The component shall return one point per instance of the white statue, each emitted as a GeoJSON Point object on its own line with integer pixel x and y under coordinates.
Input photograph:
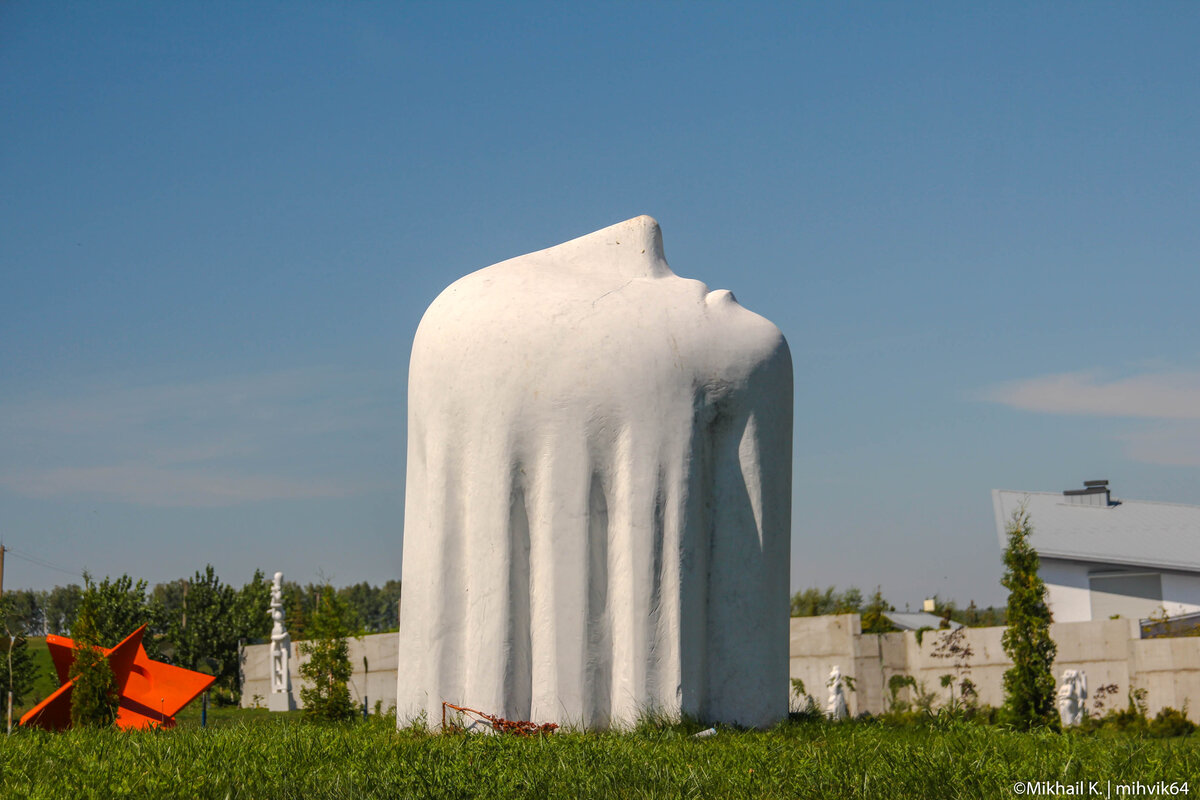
{"type": "Point", "coordinates": [835, 706]}
{"type": "Point", "coordinates": [597, 512]}
{"type": "Point", "coordinates": [1072, 695]}
{"type": "Point", "coordinates": [280, 698]}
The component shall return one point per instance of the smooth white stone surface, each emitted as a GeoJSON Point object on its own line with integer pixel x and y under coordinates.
{"type": "Point", "coordinates": [1072, 697]}
{"type": "Point", "coordinates": [835, 705]}
{"type": "Point", "coordinates": [281, 698]}
{"type": "Point", "coordinates": [597, 513]}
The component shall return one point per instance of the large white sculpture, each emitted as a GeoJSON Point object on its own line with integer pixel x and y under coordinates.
{"type": "Point", "coordinates": [281, 698]}
{"type": "Point", "coordinates": [1072, 695]}
{"type": "Point", "coordinates": [597, 514]}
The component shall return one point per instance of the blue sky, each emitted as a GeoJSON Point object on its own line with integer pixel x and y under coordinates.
{"type": "Point", "coordinates": [220, 224]}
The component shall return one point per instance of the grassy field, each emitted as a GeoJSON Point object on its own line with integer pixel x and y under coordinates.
{"type": "Point", "coordinates": [258, 755]}
{"type": "Point", "coordinates": [45, 680]}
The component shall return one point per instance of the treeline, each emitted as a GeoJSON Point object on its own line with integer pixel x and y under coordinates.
{"type": "Point", "coordinates": [814, 602]}
{"type": "Point", "coordinates": [372, 609]}
{"type": "Point", "coordinates": [198, 622]}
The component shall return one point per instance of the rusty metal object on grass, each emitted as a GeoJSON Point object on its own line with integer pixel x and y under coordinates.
{"type": "Point", "coordinates": [499, 724]}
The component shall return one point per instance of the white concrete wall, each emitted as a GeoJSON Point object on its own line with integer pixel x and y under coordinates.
{"type": "Point", "coordinates": [1181, 592]}
{"type": "Point", "coordinates": [833, 642]}
{"type": "Point", "coordinates": [1068, 589]}
{"type": "Point", "coordinates": [378, 682]}
{"type": "Point", "coordinates": [1109, 651]}
{"type": "Point", "coordinates": [1070, 599]}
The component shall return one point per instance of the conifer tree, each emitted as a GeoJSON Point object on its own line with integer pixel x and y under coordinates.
{"type": "Point", "coordinates": [94, 697]}
{"type": "Point", "coordinates": [328, 669]}
{"type": "Point", "coordinates": [1029, 684]}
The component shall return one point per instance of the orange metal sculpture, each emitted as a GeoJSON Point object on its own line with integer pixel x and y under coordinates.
{"type": "Point", "coordinates": [151, 692]}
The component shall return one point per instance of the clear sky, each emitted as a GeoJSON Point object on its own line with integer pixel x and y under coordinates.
{"type": "Point", "coordinates": [975, 223]}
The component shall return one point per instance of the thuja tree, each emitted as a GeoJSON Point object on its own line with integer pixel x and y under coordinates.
{"type": "Point", "coordinates": [327, 670]}
{"type": "Point", "coordinates": [1029, 684]}
{"type": "Point", "coordinates": [94, 694]}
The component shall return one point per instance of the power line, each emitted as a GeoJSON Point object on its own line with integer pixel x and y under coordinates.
{"type": "Point", "coordinates": [41, 562]}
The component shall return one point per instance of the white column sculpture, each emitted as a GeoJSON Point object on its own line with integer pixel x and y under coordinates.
{"type": "Point", "coordinates": [835, 706]}
{"type": "Point", "coordinates": [597, 512]}
{"type": "Point", "coordinates": [1072, 695]}
{"type": "Point", "coordinates": [280, 698]}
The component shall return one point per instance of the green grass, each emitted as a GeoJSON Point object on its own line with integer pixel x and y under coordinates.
{"type": "Point", "coordinates": [189, 718]}
{"type": "Point", "coordinates": [45, 679]}
{"type": "Point", "coordinates": [248, 756]}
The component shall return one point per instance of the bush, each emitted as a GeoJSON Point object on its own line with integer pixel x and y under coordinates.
{"type": "Point", "coordinates": [224, 697]}
{"type": "Point", "coordinates": [1171, 722]}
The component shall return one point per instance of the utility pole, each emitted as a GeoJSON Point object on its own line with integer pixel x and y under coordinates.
{"type": "Point", "coordinates": [10, 641]}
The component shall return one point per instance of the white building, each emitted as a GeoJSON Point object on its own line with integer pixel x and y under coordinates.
{"type": "Point", "coordinates": [1102, 557]}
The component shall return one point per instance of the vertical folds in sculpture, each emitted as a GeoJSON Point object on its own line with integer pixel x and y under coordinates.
{"type": "Point", "coordinates": [1072, 697]}
{"type": "Point", "coordinates": [598, 493]}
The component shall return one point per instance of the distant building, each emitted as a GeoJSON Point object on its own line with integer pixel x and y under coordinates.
{"type": "Point", "coordinates": [1102, 557]}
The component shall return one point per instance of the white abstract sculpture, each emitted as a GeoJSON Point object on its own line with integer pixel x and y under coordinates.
{"type": "Point", "coordinates": [1071, 697]}
{"type": "Point", "coordinates": [280, 698]}
{"type": "Point", "coordinates": [835, 706]}
{"type": "Point", "coordinates": [597, 514]}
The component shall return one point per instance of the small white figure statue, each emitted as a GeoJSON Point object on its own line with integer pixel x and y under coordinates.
{"type": "Point", "coordinates": [1071, 696]}
{"type": "Point", "coordinates": [835, 707]}
{"type": "Point", "coordinates": [280, 698]}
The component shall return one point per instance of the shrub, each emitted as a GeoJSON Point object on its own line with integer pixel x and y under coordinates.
{"type": "Point", "coordinates": [1171, 722]}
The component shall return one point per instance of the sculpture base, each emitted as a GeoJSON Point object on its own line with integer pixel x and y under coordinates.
{"type": "Point", "coordinates": [281, 701]}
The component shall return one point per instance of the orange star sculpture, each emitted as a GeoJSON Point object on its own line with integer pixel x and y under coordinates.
{"type": "Point", "coordinates": [152, 692]}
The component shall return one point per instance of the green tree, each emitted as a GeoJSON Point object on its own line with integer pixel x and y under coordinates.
{"type": "Point", "coordinates": [17, 669]}
{"type": "Point", "coordinates": [94, 696]}
{"type": "Point", "coordinates": [60, 608]}
{"type": "Point", "coordinates": [1029, 685]}
{"type": "Point", "coordinates": [24, 613]}
{"type": "Point", "coordinates": [328, 669]}
{"type": "Point", "coordinates": [815, 603]}
{"type": "Point", "coordinates": [298, 605]}
{"type": "Point", "coordinates": [972, 616]}
{"type": "Point", "coordinates": [369, 605]}
{"type": "Point", "coordinates": [391, 606]}
{"type": "Point", "coordinates": [250, 617]}
{"type": "Point", "coordinates": [120, 609]}
{"type": "Point", "coordinates": [203, 634]}
{"type": "Point", "coordinates": [873, 614]}
{"type": "Point", "coordinates": [206, 620]}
